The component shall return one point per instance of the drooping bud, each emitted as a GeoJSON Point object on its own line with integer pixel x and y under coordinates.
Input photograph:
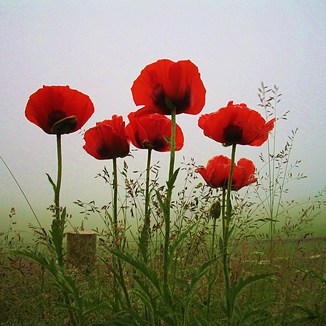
{"type": "Point", "coordinates": [215, 210]}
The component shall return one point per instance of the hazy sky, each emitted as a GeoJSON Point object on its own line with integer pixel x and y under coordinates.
{"type": "Point", "coordinates": [100, 47]}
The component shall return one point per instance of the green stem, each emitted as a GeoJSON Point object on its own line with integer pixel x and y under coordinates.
{"type": "Point", "coordinates": [223, 212]}
{"type": "Point", "coordinates": [167, 213]}
{"type": "Point", "coordinates": [148, 170]}
{"type": "Point", "coordinates": [226, 237]}
{"type": "Point", "coordinates": [116, 233]}
{"type": "Point", "coordinates": [210, 281]}
{"type": "Point", "coordinates": [74, 321]}
{"type": "Point", "coordinates": [213, 238]}
{"type": "Point", "coordinates": [58, 226]}
{"type": "Point", "coordinates": [114, 230]}
{"type": "Point", "coordinates": [115, 202]}
{"type": "Point", "coordinates": [229, 190]}
{"type": "Point", "coordinates": [58, 223]}
{"type": "Point", "coordinates": [144, 237]}
{"type": "Point", "coordinates": [59, 178]}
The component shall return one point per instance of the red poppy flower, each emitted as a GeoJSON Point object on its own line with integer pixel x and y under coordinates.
{"type": "Point", "coordinates": [151, 131]}
{"type": "Point", "coordinates": [59, 109]}
{"type": "Point", "coordinates": [107, 139]}
{"type": "Point", "coordinates": [236, 124]}
{"type": "Point", "coordinates": [165, 84]}
{"type": "Point", "coordinates": [216, 173]}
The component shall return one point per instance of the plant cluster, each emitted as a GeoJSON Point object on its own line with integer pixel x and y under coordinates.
{"type": "Point", "coordinates": [184, 269]}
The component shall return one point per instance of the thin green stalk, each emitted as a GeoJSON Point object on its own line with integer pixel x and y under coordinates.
{"type": "Point", "coordinates": [59, 178]}
{"type": "Point", "coordinates": [229, 190]}
{"type": "Point", "coordinates": [116, 234]}
{"type": "Point", "coordinates": [24, 195]}
{"type": "Point", "coordinates": [285, 173]}
{"type": "Point", "coordinates": [226, 237]}
{"type": "Point", "coordinates": [115, 201]}
{"type": "Point", "coordinates": [271, 148]}
{"type": "Point", "coordinates": [58, 226]}
{"type": "Point", "coordinates": [223, 212]}
{"type": "Point", "coordinates": [144, 238]}
{"type": "Point", "coordinates": [271, 171]}
{"type": "Point", "coordinates": [213, 238]}
{"type": "Point", "coordinates": [71, 313]}
{"type": "Point", "coordinates": [58, 223]}
{"type": "Point", "coordinates": [210, 282]}
{"type": "Point", "coordinates": [115, 225]}
{"type": "Point", "coordinates": [148, 171]}
{"type": "Point", "coordinates": [167, 213]}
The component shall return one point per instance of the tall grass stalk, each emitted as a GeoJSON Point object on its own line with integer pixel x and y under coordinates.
{"type": "Point", "coordinates": [24, 195]}
{"type": "Point", "coordinates": [269, 99]}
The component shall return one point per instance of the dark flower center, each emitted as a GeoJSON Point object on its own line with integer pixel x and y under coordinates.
{"type": "Point", "coordinates": [55, 116]}
{"type": "Point", "coordinates": [232, 134]}
{"type": "Point", "coordinates": [159, 144]}
{"type": "Point", "coordinates": [167, 104]}
{"type": "Point", "coordinates": [64, 126]}
{"type": "Point", "coordinates": [104, 151]}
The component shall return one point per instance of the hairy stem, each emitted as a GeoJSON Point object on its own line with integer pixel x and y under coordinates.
{"type": "Point", "coordinates": [167, 213]}
{"type": "Point", "coordinates": [144, 238]}
{"type": "Point", "coordinates": [226, 236]}
{"type": "Point", "coordinates": [116, 233]}
{"type": "Point", "coordinates": [210, 281]}
{"type": "Point", "coordinates": [59, 221]}
{"type": "Point", "coordinates": [59, 178]}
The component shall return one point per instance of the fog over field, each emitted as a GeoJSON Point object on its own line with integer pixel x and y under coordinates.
{"type": "Point", "coordinates": [100, 47]}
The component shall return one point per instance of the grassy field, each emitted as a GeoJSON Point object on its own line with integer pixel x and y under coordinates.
{"type": "Point", "coordinates": [294, 294]}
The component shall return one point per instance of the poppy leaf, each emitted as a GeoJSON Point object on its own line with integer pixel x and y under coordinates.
{"type": "Point", "coordinates": [161, 202]}
{"type": "Point", "coordinates": [173, 178]}
{"type": "Point", "coordinates": [51, 181]}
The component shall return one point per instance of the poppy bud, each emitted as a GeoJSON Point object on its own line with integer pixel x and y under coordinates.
{"type": "Point", "coordinates": [215, 210]}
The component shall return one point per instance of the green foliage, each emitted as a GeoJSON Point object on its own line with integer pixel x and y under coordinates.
{"type": "Point", "coordinates": [237, 287]}
{"type": "Point", "coordinates": [73, 299]}
{"type": "Point", "coordinates": [57, 235]}
{"type": "Point", "coordinates": [51, 182]}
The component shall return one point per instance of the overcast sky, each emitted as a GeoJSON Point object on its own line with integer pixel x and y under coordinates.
{"type": "Point", "coordinates": [100, 47]}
